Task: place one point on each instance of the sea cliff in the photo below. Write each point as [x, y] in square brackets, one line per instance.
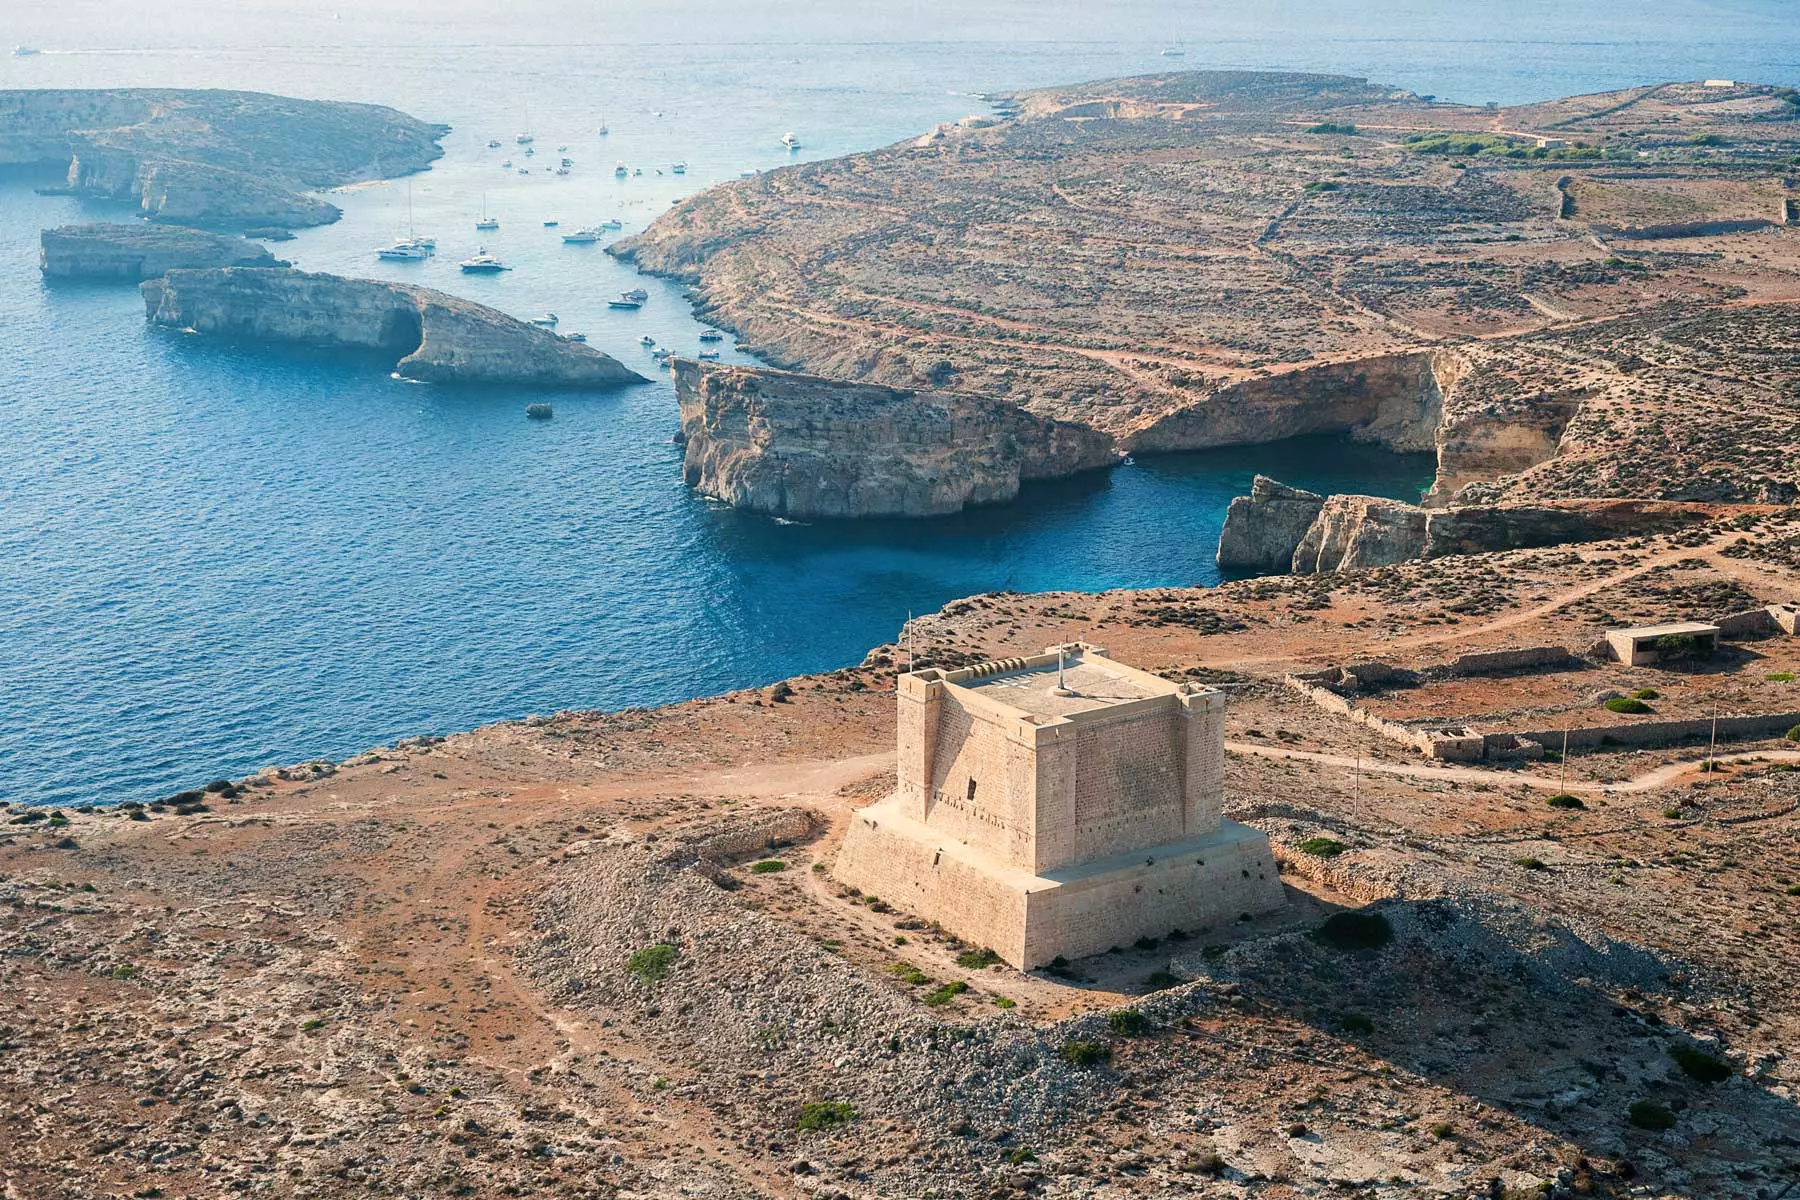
[142, 251]
[800, 446]
[212, 158]
[433, 335]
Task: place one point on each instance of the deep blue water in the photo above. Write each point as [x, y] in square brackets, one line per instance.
[214, 557]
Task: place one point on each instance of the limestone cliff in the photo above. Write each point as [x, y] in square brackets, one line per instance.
[434, 336]
[142, 251]
[1262, 530]
[799, 446]
[1352, 532]
[216, 158]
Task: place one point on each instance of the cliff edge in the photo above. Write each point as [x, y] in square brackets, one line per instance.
[799, 446]
[435, 336]
[142, 251]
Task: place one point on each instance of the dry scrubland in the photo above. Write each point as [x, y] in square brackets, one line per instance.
[1207, 259]
[413, 973]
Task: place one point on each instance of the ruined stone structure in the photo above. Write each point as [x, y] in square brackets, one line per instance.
[1059, 805]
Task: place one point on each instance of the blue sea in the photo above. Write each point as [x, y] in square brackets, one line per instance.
[214, 557]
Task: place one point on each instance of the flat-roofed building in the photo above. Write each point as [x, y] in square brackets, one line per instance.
[1637, 647]
[1059, 804]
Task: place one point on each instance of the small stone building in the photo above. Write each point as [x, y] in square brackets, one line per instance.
[1059, 804]
[1637, 647]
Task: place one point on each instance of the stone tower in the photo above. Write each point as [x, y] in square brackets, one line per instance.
[1060, 804]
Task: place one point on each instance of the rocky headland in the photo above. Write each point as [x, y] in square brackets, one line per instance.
[133, 253]
[800, 446]
[1570, 300]
[217, 159]
[434, 336]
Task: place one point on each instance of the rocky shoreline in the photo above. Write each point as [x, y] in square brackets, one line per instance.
[434, 336]
[133, 253]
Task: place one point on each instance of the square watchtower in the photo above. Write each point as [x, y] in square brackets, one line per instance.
[1059, 804]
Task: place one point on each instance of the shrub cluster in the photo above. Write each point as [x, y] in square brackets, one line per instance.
[652, 963]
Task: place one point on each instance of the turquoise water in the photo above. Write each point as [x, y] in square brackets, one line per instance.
[214, 557]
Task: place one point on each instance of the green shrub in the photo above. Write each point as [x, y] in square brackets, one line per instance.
[652, 963]
[124, 971]
[1698, 1064]
[816, 1115]
[1003, 1002]
[1323, 185]
[947, 992]
[1530, 863]
[1355, 931]
[1780, 677]
[1332, 127]
[1442, 1130]
[1625, 704]
[1648, 1114]
[907, 973]
[767, 866]
[1564, 800]
[1673, 814]
[1322, 847]
[975, 960]
[1085, 1054]
[1646, 694]
[1673, 647]
[1793, 735]
[1021, 1155]
[1127, 1022]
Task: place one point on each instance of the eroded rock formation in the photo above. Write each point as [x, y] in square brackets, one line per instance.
[435, 336]
[1262, 530]
[137, 252]
[800, 446]
[214, 158]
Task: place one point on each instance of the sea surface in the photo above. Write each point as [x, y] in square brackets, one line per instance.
[215, 557]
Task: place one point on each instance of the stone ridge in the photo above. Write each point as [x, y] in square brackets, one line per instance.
[433, 335]
[207, 157]
[142, 251]
[799, 446]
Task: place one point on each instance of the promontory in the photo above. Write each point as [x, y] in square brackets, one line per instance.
[434, 336]
[239, 160]
[142, 251]
[1578, 299]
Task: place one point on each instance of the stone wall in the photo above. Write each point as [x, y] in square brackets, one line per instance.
[1664, 733]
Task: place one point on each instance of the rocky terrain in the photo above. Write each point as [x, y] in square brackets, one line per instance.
[134, 253]
[435, 336]
[596, 954]
[1577, 299]
[799, 446]
[238, 160]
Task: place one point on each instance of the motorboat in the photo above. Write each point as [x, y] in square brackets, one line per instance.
[25, 51]
[790, 140]
[483, 263]
[562, 170]
[646, 340]
[581, 237]
[752, 173]
[574, 337]
[493, 143]
[708, 356]
[621, 171]
[507, 163]
[1172, 52]
[568, 162]
[662, 354]
[524, 139]
[562, 150]
[614, 223]
[524, 170]
[552, 223]
[547, 320]
[404, 250]
[638, 294]
[679, 168]
[711, 335]
[530, 152]
[626, 303]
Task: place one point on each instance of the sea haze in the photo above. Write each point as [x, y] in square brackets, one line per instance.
[214, 557]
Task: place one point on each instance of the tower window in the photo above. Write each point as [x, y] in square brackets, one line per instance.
[971, 789]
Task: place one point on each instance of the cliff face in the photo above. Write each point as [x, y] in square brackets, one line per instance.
[1262, 530]
[237, 159]
[799, 446]
[1277, 528]
[137, 252]
[1393, 399]
[434, 336]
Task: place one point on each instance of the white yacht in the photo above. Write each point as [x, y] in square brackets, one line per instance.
[646, 340]
[708, 356]
[625, 302]
[679, 168]
[25, 51]
[404, 250]
[621, 171]
[581, 237]
[574, 337]
[711, 335]
[615, 223]
[790, 140]
[483, 263]
[548, 320]
[1172, 52]
[523, 139]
